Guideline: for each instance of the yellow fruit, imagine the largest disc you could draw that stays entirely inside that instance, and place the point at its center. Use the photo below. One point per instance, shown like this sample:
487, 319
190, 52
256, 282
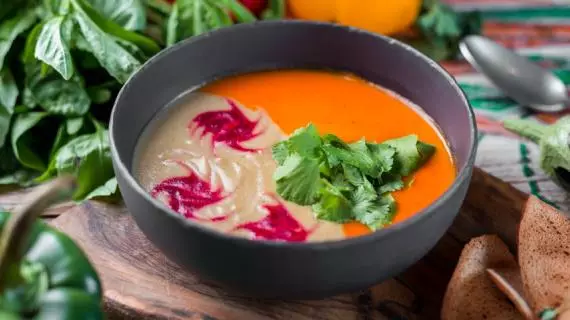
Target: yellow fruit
382, 16
319, 10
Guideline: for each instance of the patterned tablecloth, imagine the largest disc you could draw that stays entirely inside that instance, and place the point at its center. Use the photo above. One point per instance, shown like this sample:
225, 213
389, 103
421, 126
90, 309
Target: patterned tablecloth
540, 30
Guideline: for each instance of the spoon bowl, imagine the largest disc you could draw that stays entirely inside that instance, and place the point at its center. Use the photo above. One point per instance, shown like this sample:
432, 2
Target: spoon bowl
520, 79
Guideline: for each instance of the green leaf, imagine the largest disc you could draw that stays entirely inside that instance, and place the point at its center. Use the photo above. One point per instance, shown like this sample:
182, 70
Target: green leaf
333, 205
89, 157
373, 212
275, 10
109, 189
129, 14
8, 96
29, 50
12, 28
390, 183
73, 125
92, 21
298, 179
21, 142
172, 25
242, 14
99, 95
113, 57
194, 17
355, 154
410, 153
56, 95
53, 49
280, 152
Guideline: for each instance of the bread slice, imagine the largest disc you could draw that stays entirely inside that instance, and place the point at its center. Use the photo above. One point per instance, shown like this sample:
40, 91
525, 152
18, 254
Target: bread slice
471, 294
544, 254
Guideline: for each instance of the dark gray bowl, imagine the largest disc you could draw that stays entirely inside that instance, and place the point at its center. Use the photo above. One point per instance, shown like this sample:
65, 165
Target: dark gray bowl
289, 270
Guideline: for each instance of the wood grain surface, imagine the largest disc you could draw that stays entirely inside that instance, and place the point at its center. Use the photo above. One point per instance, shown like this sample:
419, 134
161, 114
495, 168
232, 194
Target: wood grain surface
141, 283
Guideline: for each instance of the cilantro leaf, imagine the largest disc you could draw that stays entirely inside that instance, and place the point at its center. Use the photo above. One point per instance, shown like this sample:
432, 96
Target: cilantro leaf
371, 210
333, 205
390, 183
410, 153
280, 152
305, 141
355, 154
298, 179
346, 181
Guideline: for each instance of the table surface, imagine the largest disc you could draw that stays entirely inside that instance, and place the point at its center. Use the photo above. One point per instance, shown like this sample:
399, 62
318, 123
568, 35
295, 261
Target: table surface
539, 31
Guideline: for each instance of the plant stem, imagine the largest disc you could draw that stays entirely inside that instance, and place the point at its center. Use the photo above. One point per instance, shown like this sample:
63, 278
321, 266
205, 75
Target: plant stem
526, 128
16, 231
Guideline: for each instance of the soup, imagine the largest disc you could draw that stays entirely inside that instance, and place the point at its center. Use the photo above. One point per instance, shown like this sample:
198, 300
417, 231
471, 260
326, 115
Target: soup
212, 156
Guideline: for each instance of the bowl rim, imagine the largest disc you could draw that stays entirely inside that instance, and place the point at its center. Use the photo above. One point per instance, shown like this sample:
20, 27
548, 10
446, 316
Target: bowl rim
463, 173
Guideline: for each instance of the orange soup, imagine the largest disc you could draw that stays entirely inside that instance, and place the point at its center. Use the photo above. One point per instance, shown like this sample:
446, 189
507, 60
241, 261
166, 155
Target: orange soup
272, 105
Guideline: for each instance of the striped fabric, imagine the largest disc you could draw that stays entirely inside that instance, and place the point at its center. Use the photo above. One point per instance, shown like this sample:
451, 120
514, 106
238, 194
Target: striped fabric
540, 30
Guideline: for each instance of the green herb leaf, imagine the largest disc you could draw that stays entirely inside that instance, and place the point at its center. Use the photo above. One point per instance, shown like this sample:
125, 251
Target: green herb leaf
109, 189
333, 205
12, 28
410, 153
346, 182
113, 57
194, 17
73, 125
8, 96
373, 212
355, 154
21, 142
91, 18
56, 95
53, 49
298, 179
390, 183
89, 157
29, 50
129, 14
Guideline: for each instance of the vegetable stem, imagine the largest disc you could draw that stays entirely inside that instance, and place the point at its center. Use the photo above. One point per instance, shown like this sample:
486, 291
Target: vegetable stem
14, 236
526, 128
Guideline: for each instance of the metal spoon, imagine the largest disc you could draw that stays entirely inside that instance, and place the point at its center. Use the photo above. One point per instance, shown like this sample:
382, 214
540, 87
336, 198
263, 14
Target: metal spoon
520, 79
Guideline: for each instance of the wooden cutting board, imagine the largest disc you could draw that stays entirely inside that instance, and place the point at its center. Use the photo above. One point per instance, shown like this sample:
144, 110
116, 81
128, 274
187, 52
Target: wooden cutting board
141, 283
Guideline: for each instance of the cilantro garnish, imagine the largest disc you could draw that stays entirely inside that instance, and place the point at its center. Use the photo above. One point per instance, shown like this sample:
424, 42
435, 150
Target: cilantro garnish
343, 181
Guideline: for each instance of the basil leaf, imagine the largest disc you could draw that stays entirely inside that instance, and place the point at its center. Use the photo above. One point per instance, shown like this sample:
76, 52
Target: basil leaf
29, 50
90, 16
21, 142
129, 14
99, 95
12, 28
114, 58
56, 95
73, 125
8, 96
194, 17
110, 188
52, 48
57, 7
89, 157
